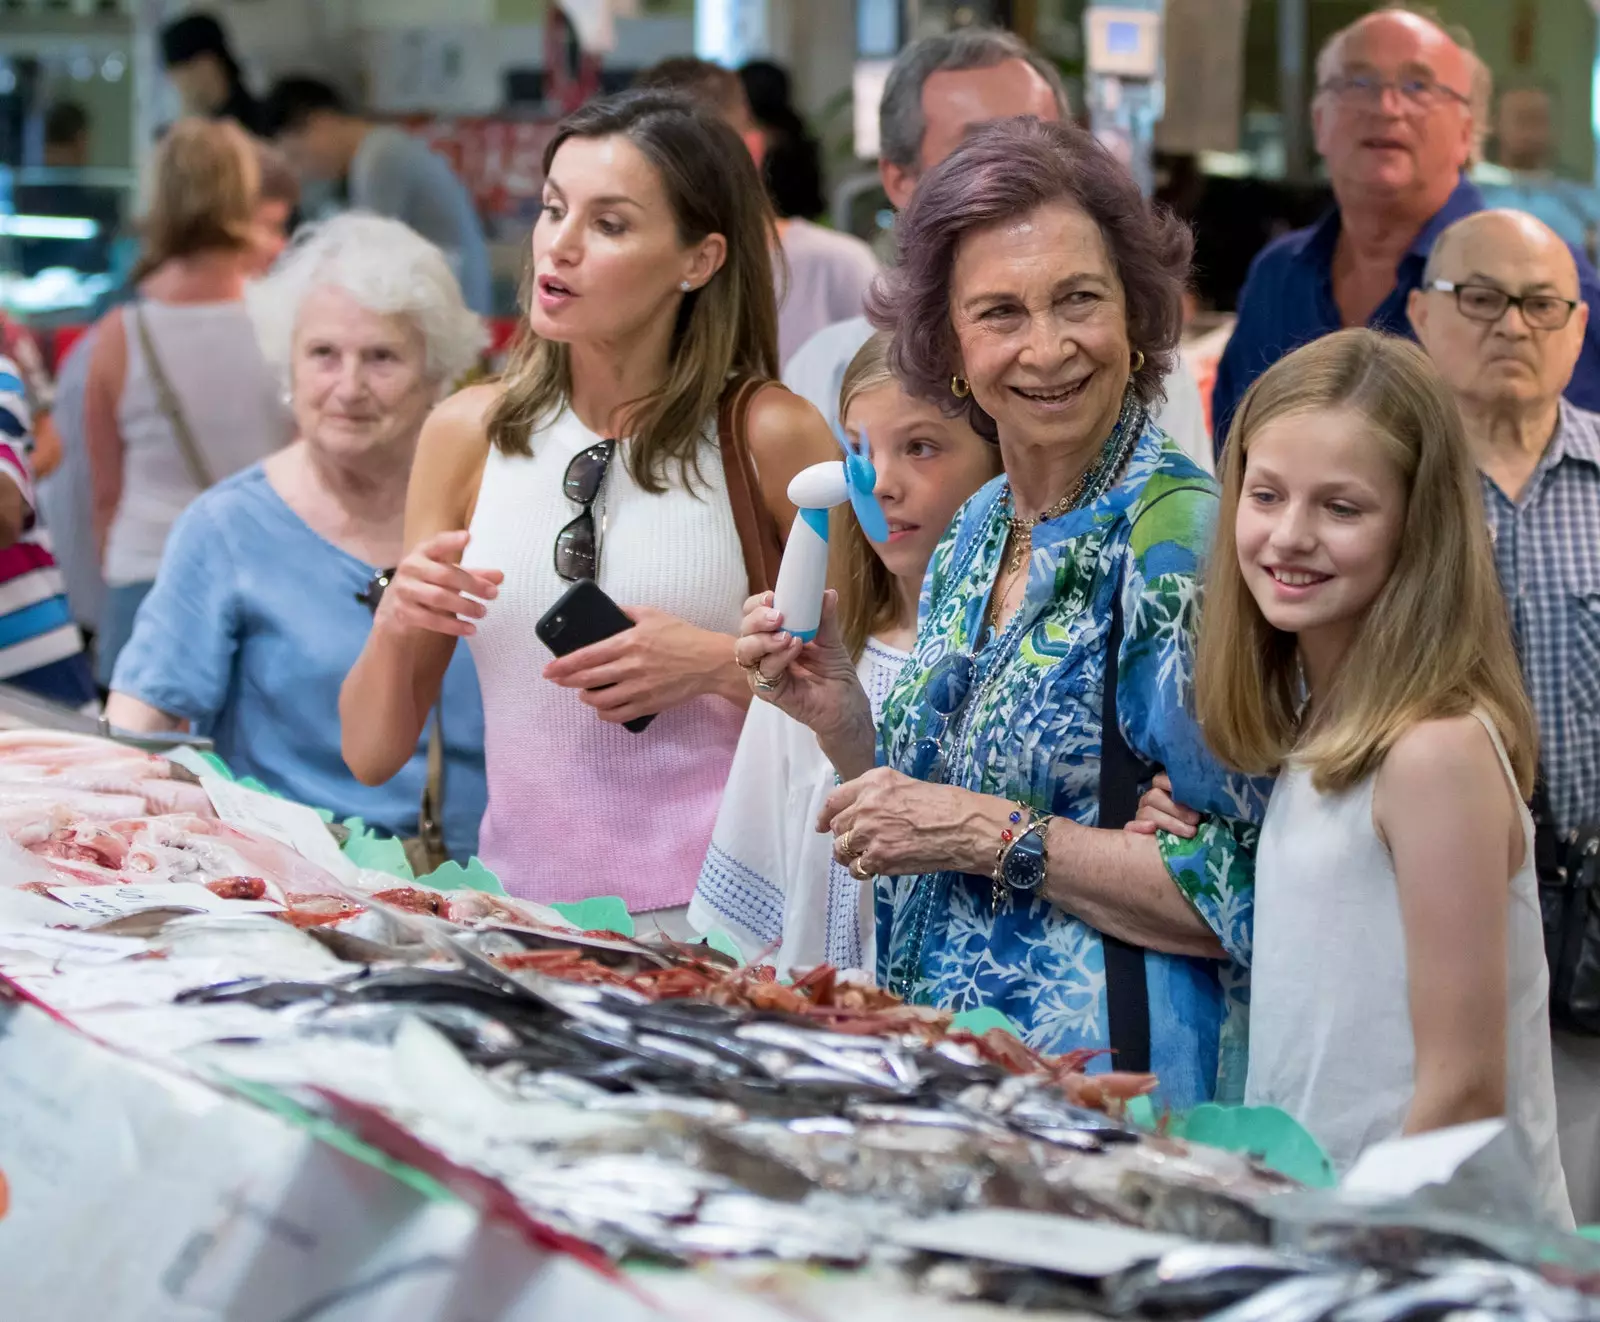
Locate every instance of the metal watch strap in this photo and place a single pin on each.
(1039, 826)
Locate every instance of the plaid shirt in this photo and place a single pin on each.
(1547, 549)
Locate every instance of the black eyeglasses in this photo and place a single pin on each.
(1486, 303)
(577, 553)
(1419, 92)
(372, 594)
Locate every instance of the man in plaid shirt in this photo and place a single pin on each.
(1501, 315)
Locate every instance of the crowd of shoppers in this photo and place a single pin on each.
(177, 395)
(269, 579)
(1231, 778)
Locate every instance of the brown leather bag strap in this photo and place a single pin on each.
(759, 537)
(171, 409)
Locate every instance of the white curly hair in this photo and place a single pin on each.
(389, 269)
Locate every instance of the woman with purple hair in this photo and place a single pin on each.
(1038, 293)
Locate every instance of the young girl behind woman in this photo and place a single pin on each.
(1354, 641)
(770, 880)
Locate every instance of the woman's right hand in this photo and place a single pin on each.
(815, 682)
(430, 589)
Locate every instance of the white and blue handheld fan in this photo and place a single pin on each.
(803, 575)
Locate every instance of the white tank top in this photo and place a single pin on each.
(227, 395)
(579, 807)
(1330, 1029)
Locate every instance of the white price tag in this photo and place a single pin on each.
(1035, 1239)
(291, 824)
(190, 760)
(1399, 1167)
(117, 901)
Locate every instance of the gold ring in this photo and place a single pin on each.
(760, 683)
(844, 846)
(858, 870)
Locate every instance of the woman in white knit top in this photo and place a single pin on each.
(597, 456)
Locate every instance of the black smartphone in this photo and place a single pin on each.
(585, 615)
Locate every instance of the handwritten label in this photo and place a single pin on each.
(119, 901)
(291, 824)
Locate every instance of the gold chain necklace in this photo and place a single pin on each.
(1019, 537)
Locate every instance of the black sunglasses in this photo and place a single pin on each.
(372, 594)
(577, 552)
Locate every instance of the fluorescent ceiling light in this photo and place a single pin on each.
(49, 227)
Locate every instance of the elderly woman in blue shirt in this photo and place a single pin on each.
(269, 579)
(1038, 293)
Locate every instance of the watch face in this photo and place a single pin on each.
(1024, 868)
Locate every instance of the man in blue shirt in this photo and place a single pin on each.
(1397, 118)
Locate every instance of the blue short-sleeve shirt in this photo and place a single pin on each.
(1287, 301)
(250, 629)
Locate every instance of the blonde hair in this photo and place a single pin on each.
(868, 594)
(1435, 643)
(204, 184)
(726, 331)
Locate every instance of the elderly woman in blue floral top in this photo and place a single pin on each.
(1040, 293)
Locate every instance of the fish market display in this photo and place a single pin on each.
(660, 1103)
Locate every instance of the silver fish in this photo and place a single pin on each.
(659, 1046)
(379, 1022)
(1201, 1275)
(1426, 1298)
(1301, 1298)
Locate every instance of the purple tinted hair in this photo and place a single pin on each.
(1002, 171)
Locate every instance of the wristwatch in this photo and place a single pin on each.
(1023, 868)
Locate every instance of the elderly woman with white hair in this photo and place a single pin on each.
(270, 579)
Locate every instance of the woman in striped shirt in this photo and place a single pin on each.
(41, 649)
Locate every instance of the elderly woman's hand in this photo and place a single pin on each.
(430, 590)
(815, 683)
(887, 824)
(660, 663)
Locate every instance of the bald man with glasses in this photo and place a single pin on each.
(1500, 312)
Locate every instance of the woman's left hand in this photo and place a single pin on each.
(887, 824)
(660, 663)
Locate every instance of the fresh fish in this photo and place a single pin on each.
(474, 1032)
(268, 993)
(413, 984)
(672, 1050)
(1302, 1298)
(355, 949)
(1429, 1298)
(877, 1113)
(1201, 1276)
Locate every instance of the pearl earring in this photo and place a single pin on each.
(685, 286)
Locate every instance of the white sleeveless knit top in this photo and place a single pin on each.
(577, 806)
(1330, 1026)
(227, 395)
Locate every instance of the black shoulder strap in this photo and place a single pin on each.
(1122, 772)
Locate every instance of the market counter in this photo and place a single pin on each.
(244, 1078)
